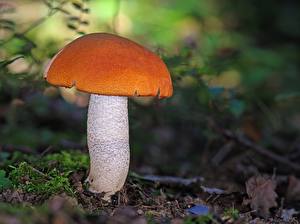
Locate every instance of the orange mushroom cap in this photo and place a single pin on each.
(107, 64)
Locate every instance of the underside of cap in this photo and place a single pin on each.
(107, 64)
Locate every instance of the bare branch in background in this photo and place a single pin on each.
(52, 12)
(240, 139)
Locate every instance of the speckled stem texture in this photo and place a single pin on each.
(108, 142)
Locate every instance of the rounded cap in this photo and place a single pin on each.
(107, 64)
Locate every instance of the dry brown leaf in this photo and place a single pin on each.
(293, 190)
(261, 191)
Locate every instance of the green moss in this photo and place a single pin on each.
(48, 175)
(67, 161)
(231, 213)
(4, 181)
(205, 219)
(15, 158)
(30, 179)
(149, 217)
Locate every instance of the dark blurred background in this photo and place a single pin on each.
(234, 65)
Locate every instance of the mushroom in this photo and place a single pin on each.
(111, 68)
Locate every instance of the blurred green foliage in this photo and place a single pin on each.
(235, 63)
(4, 181)
(231, 213)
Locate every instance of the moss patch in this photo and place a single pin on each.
(47, 175)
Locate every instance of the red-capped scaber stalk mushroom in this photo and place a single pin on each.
(111, 68)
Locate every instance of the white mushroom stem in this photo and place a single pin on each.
(108, 142)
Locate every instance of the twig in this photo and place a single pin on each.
(259, 149)
(222, 153)
(46, 151)
(213, 190)
(170, 180)
(40, 173)
(34, 24)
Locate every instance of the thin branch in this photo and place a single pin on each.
(34, 24)
(40, 173)
(222, 153)
(259, 149)
(170, 180)
(46, 151)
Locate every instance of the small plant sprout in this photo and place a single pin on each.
(111, 68)
(231, 213)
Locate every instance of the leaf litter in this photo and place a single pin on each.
(144, 199)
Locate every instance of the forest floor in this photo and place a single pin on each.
(49, 188)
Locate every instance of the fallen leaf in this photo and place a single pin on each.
(261, 191)
(293, 190)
